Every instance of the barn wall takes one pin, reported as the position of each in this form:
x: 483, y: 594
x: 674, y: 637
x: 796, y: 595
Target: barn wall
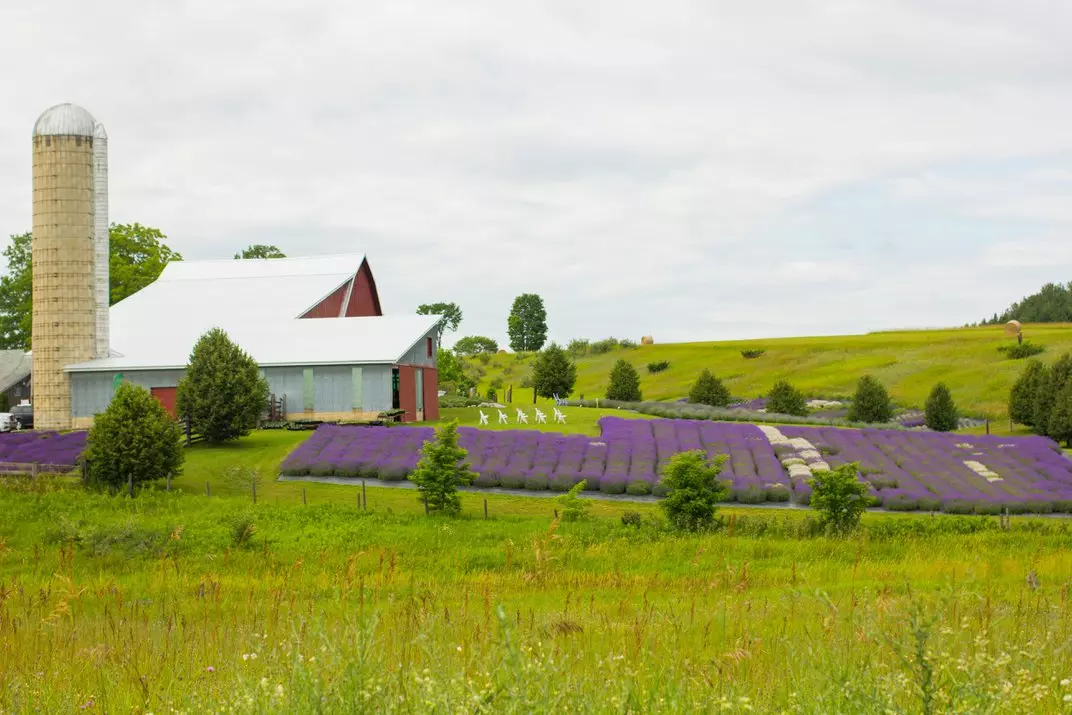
x: 364, y: 300
x: 92, y: 391
x: 331, y: 306
x: 418, y: 354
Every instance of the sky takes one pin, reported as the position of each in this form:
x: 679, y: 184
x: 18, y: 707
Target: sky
x: 703, y: 170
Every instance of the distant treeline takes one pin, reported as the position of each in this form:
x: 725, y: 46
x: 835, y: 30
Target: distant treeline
x: 1052, y: 304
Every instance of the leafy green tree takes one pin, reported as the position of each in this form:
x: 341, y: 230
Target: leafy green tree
x: 553, y: 372
x: 474, y: 345
x: 451, y: 369
x: 1052, y: 304
x: 527, y: 323
x: 1060, y: 426
x: 709, y: 390
x: 1024, y: 393
x: 441, y: 469
x: 939, y: 412
x: 840, y: 497
x: 450, y: 316
x: 624, y: 382
x: 138, y: 254
x: 133, y: 440
x: 694, y: 489
x: 259, y: 250
x: 1050, y: 385
x: 223, y: 393
x: 784, y: 399
x: 871, y: 403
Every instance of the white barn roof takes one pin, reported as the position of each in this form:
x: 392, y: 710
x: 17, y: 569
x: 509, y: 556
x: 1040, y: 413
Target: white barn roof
x: 258, y: 303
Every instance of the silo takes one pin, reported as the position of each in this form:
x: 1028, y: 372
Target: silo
x: 65, y: 243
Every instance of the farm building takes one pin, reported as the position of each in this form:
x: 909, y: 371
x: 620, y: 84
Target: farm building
x: 314, y: 325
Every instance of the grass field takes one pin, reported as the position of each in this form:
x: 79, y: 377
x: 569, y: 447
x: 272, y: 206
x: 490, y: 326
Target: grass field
x: 909, y: 363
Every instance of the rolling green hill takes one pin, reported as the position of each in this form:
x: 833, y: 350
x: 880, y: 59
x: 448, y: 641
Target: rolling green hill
x: 909, y: 363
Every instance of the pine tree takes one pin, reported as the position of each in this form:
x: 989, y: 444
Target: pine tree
x: 223, y: 393
x: 553, y: 372
x: 1060, y: 426
x: 1050, y: 385
x: 871, y: 403
x: 709, y: 390
x: 624, y: 382
x: 784, y: 399
x: 441, y: 469
x: 1024, y: 393
x: 940, y: 414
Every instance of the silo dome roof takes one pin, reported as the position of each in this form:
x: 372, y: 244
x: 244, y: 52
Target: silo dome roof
x: 66, y: 120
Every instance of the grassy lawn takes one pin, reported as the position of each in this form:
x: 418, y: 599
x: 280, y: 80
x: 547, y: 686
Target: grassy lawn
x: 909, y: 363
x: 579, y: 420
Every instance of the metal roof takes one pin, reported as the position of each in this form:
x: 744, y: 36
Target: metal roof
x: 258, y: 303
x: 67, y: 120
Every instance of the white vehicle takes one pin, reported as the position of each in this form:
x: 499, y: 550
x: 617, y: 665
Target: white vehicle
x: 7, y: 421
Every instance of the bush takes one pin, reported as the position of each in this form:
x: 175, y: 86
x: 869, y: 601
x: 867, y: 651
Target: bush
x: 496, y: 384
x: 475, y: 345
x: 632, y: 518
x: 577, y: 347
x: 871, y: 403
x: 242, y: 530
x: 1024, y: 393
x: 709, y: 390
x: 750, y: 494
x: 573, y: 507
x: 785, y: 399
x: 840, y: 497
x: 493, y: 396
x: 627, y: 344
x: 624, y: 382
x: 694, y: 490
x: 553, y: 372
x: 133, y: 441
x: 638, y: 487
x: 223, y: 393
x: 1019, y: 351
x: 654, y: 367
x: 536, y: 482
x: 752, y: 354
x: 940, y: 412
x: 526, y: 382
x: 601, y: 347
x: 441, y: 469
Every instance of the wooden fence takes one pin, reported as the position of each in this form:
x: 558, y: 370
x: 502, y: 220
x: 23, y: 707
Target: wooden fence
x: 33, y: 469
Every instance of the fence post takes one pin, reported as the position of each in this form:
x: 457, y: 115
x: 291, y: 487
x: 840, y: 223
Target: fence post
x: 188, y: 439
x: 254, y: 486
x: 303, y: 501
x: 33, y: 471
x: 364, y: 496
x: 169, y: 481
x: 426, y: 504
x: 208, y: 492
x: 988, y: 425
x: 130, y: 485
x: 485, y: 508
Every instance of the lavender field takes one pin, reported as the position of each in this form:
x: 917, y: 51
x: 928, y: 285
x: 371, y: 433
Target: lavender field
x: 49, y: 448
x: 906, y: 470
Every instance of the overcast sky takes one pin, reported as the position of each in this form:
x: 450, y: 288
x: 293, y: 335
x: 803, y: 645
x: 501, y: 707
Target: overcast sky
x: 690, y: 170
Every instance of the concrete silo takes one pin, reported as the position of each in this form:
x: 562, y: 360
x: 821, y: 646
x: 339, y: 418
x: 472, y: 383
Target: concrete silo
x: 70, y: 252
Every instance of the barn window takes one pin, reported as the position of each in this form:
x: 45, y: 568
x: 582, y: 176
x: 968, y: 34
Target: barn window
x: 429, y: 341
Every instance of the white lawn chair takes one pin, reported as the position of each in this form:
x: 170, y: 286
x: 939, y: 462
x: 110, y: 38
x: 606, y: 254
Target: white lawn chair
x: 483, y: 418
x: 503, y: 419
x: 559, y: 401
x: 522, y: 418
x: 560, y: 417
x: 541, y: 418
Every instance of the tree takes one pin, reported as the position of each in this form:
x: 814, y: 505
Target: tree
x: 624, y: 382
x: 1052, y: 304
x: 871, y: 403
x: 451, y: 369
x: 223, y: 393
x: 527, y: 324
x: 939, y: 412
x: 1060, y: 426
x: 1024, y: 393
x: 450, y: 316
x: 694, y: 489
x: 840, y: 497
x: 709, y: 390
x: 553, y: 372
x: 1050, y: 385
x: 137, y: 255
x: 259, y: 250
x: 474, y: 345
x: 441, y: 469
x: 133, y: 441
x: 784, y: 399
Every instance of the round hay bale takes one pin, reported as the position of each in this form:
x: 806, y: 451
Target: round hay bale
x: 1013, y: 327
x: 647, y: 340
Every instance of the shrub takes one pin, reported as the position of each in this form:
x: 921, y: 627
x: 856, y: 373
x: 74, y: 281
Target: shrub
x: 611, y: 486
x: 475, y: 345
x: 709, y: 390
x: 632, y: 518
x: 752, y: 354
x: 1024, y: 393
x: 484, y: 358
x: 487, y: 478
x: 526, y: 382
x: 624, y: 382
x: 777, y: 492
x: 536, y: 482
x: 242, y: 530
x: 553, y: 372
x: 441, y: 469
x: 223, y: 393
x: 627, y: 344
x: 577, y: 347
x: 786, y: 400
x: 496, y: 384
x: 638, y: 487
x: 493, y: 395
x: 839, y: 496
x: 1019, y: 351
x: 654, y: 367
x: 695, y: 490
x: 511, y: 481
x: 573, y: 507
x: 750, y: 494
x: 871, y: 403
x: 940, y: 412
x: 133, y: 441
x: 600, y: 347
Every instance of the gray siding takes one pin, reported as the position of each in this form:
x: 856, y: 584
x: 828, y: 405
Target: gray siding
x: 376, y: 395
x: 92, y: 391
x: 418, y: 354
x: 286, y: 382
x: 333, y: 389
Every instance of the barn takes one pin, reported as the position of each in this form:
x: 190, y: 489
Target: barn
x: 314, y: 325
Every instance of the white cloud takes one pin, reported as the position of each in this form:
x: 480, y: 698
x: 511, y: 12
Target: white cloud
x: 640, y: 166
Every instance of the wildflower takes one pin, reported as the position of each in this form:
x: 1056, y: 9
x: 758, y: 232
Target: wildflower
x: 210, y: 669
x: 279, y: 690
x: 1067, y: 698
x: 1066, y: 682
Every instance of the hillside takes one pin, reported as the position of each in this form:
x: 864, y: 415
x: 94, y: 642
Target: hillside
x: 907, y: 362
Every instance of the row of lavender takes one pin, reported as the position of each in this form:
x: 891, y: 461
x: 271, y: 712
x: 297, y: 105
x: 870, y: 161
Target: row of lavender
x: 50, y: 448
x: 905, y: 470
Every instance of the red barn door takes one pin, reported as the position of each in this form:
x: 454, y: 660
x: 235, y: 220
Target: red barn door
x: 407, y: 392
x: 431, y: 393
x: 166, y: 396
